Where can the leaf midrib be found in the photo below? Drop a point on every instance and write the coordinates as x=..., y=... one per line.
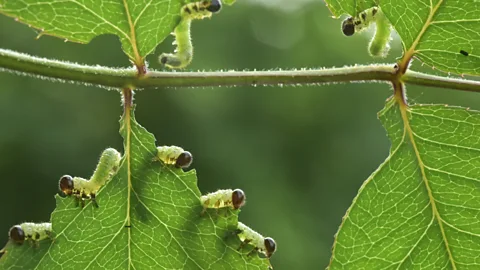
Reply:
x=128, y=158
x=131, y=189
x=137, y=58
x=412, y=50
x=133, y=39
x=432, y=202
x=406, y=121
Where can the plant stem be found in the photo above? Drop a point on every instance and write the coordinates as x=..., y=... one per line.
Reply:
x=27, y=65
x=417, y=78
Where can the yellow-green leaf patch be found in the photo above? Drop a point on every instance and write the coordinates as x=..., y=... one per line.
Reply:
x=149, y=217
x=140, y=25
x=420, y=208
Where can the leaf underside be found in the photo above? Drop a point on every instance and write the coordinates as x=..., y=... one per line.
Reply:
x=419, y=210
x=140, y=25
x=167, y=229
x=435, y=30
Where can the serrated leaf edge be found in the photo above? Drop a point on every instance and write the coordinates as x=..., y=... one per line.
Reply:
x=404, y=110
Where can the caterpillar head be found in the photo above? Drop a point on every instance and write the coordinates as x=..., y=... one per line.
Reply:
x=17, y=235
x=184, y=160
x=66, y=185
x=214, y=6
x=270, y=246
x=348, y=27
x=238, y=198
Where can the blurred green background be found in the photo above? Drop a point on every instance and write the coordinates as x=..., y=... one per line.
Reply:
x=299, y=153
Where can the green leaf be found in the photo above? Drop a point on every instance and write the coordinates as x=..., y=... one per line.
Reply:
x=435, y=31
x=140, y=25
x=351, y=7
x=149, y=217
x=420, y=208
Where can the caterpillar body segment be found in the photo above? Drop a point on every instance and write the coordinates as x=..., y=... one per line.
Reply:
x=379, y=44
x=81, y=188
x=107, y=166
x=234, y=199
x=33, y=232
x=362, y=21
x=183, y=54
x=174, y=155
x=84, y=189
x=265, y=245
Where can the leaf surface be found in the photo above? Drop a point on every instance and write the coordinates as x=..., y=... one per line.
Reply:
x=140, y=25
x=420, y=208
x=435, y=31
x=149, y=218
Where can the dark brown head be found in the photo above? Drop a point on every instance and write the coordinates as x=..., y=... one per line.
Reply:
x=270, y=246
x=215, y=6
x=163, y=60
x=238, y=198
x=17, y=235
x=66, y=184
x=184, y=160
x=348, y=28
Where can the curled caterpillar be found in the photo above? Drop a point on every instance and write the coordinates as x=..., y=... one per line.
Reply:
x=379, y=45
x=184, y=53
x=33, y=232
x=84, y=189
x=224, y=198
x=265, y=245
x=352, y=25
x=174, y=155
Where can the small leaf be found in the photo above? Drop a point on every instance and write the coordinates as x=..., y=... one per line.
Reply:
x=435, y=31
x=420, y=209
x=140, y=25
x=149, y=218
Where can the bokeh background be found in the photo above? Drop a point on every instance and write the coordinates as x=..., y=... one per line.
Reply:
x=299, y=153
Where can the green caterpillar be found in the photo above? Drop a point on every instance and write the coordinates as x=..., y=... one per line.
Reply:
x=184, y=53
x=379, y=45
x=33, y=232
x=224, y=198
x=265, y=245
x=84, y=189
x=174, y=155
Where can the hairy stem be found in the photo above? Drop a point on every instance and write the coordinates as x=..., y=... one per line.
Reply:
x=27, y=65
x=417, y=78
